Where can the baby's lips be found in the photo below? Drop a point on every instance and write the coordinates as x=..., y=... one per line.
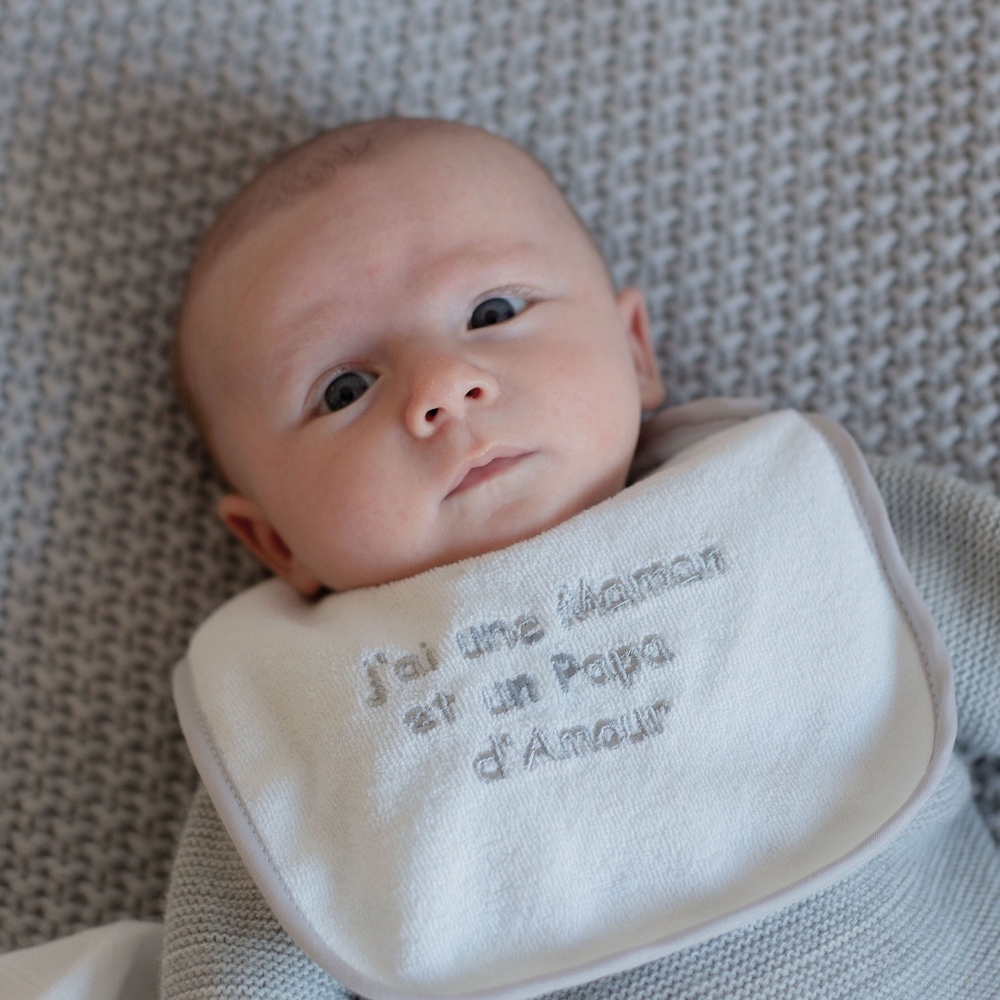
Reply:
x=485, y=466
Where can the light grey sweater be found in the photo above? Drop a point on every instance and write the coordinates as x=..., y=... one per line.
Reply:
x=921, y=920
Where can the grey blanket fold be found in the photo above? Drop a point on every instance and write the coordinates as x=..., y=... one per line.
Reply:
x=921, y=920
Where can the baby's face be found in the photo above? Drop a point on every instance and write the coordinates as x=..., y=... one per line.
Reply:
x=421, y=361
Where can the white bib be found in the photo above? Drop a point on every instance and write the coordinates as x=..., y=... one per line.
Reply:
x=682, y=709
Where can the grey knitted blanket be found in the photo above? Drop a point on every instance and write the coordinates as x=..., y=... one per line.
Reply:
x=808, y=191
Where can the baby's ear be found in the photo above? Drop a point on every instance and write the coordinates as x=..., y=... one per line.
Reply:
x=253, y=528
x=632, y=307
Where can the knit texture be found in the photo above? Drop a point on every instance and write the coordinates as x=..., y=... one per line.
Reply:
x=807, y=191
x=921, y=920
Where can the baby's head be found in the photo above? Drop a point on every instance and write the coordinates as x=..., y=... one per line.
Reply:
x=404, y=349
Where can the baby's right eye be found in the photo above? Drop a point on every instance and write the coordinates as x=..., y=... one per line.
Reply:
x=496, y=309
x=345, y=388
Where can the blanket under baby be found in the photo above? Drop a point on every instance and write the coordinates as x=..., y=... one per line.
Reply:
x=685, y=708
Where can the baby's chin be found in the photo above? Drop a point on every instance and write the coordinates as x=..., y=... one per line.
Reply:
x=339, y=583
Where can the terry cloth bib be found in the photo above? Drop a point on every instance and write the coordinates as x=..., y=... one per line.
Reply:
x=690, y=705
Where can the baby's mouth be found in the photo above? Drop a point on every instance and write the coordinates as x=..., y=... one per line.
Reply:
x=492, y=466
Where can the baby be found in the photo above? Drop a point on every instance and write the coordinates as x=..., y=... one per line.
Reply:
x=673, y=735
x=391, y=380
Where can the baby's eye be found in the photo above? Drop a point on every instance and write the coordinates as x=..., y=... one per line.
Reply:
x=345, y=388
x=498, y=309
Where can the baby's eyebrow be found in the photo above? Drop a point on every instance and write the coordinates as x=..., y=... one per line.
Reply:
x=297, y=347
x=289, y=324
x=524, y=252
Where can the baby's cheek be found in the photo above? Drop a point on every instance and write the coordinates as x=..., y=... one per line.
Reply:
x=376, y=521
x=606, y=423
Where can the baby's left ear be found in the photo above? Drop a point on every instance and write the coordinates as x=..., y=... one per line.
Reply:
x=632, y=307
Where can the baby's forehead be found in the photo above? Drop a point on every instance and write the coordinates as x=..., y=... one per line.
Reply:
x=311, y=169
x=443, y=201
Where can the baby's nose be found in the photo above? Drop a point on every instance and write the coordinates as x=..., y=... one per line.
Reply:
x=444, y=388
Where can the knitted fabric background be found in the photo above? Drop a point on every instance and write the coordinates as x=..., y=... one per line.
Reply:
x=809, y=193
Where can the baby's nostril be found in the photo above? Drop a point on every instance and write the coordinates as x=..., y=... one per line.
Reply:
x=431, y=414
x=474, y=393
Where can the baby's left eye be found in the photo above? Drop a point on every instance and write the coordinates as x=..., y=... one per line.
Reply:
x=498, y=309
